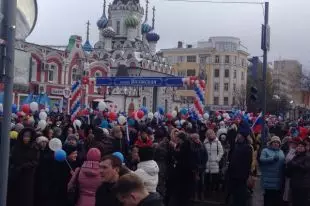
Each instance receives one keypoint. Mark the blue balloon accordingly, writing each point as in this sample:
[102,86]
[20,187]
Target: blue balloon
[119,155]
[145,110]
[161,110]
[183,111]
[60,155]
[104,124]
[14,108]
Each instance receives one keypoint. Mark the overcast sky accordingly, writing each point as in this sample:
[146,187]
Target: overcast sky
[189,22]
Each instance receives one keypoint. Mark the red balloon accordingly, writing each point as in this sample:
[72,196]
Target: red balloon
[169,116]
[26,108]
[140,114]
[112,116]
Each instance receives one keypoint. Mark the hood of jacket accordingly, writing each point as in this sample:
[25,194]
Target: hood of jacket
[150,167]
[90,168]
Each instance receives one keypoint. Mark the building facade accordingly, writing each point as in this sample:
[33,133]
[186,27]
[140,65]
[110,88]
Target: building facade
[225,69]
[126,47]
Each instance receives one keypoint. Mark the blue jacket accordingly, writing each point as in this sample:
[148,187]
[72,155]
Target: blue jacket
[272,168]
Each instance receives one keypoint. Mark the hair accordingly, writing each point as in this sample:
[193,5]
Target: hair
[115,161]
[128,183]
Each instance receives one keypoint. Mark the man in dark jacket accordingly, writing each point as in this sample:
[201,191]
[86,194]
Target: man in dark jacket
[130,190]
[109,168]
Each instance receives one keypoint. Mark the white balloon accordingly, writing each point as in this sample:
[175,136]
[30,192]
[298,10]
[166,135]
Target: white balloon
[219,117]
[156,114]
[150,115]
[34,106]
[174,114]
[122,120]
[1,107]
[47,109]
[42,124]
[105,131]
[206,116]
[55,144]
[43,115]
[77,123]
[102,106]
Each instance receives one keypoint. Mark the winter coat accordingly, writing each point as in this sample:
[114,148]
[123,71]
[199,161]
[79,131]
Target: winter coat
[153,199]
[112,144]
[105,196]
[23,164]
[199,156]
[271,168]
[299,171]
[148,172]
[88,179]
[215,154]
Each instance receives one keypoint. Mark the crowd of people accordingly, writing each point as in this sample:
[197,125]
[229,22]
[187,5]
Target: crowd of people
[155,162]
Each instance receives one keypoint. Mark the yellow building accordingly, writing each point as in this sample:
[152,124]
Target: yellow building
[225,69]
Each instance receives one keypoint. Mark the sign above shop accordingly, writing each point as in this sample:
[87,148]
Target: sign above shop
[56,91]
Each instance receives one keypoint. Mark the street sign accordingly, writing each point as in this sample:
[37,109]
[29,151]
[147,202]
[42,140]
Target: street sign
[140,81]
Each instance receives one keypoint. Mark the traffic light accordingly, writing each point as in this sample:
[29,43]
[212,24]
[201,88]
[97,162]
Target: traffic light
[253,95]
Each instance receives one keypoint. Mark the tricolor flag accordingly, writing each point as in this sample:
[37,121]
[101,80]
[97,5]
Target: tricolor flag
[258,124]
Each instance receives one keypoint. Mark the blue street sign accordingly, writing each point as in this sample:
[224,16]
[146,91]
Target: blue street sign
[140,81]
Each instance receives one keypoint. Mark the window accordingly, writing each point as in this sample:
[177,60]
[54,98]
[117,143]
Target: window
[191,58]
[191,72]
[235,74]
[242,75]
[98,89]
[215,100]
[235,60]
[217,59]
[234,101]
[216,73]
[216,86]
[75,75]
[226,73]
[226,59]
[33,70]
[144,102]
[52,73]
[182,73]
[243,62]
[226,86]
[118,27]
[234,87]
[225,100]
[180,59]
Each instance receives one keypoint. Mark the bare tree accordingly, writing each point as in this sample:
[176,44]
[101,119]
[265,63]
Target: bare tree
[240,97]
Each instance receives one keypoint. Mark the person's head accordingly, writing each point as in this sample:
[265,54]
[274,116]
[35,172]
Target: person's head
[116,132]
[210,134]
[72,140]
[71,151]
[42,142]
[130,189]
[109,168]
[292,144]
[70,130]
[173,134]
[93,154]
[26,136]
[57,132]
[195,137]
[301,147]
[240,138]
[275,142]
[49,133]
[146,154]
[135,154]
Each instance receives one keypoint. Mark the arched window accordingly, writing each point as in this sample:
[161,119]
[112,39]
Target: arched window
[75,75]
[166,106]
[52,73]
[144,102]
[33,70]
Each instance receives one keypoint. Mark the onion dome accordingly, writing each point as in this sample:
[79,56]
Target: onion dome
[102,22]
[108,32]
[132,21]
[152,37]
[146,28]
[87,46]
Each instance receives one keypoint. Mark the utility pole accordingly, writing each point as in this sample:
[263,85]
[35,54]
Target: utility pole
[8,29]
[265,47]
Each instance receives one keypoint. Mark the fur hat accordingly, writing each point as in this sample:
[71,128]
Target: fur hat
[275,139]
[41,139]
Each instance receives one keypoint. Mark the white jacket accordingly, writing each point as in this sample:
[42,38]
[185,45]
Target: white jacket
[148,172]
[215,154]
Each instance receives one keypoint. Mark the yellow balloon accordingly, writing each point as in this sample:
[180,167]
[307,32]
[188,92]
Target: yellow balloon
[13,135]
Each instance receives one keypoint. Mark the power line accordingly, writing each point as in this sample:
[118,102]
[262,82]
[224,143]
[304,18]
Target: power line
[218,2]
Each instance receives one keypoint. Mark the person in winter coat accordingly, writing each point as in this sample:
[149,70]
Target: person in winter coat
[272,165]
[215,153]
[298,169]
[116,142]
[23,163]
[131,191]
[147,169]
[88,178]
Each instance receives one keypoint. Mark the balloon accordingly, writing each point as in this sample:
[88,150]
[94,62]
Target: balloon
[47,109]
[140,114]
[169,116]
[104,124]
[174,114]
[144,109]
[119,155]
[77,124]
[55,144]
[122,120]
[14,108]
[1,107]
[102,106]
[161,110]
[206,116]
[42,124]
[183,111]
[219,117]
[13,135]
[131,122]
[26,108]
[105,131]
[60,155]
[150,115]
[156,114]
[43,115]
[34,106]
[112,116]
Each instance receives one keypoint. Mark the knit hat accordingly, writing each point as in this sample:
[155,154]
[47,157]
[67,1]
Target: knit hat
[41,139]
[93,154]
[72,137]
[275,139]
[69,149]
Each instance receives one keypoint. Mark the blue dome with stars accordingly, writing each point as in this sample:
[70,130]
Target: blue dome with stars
[102,22]
[152,37]
[146,28]
[87,46]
